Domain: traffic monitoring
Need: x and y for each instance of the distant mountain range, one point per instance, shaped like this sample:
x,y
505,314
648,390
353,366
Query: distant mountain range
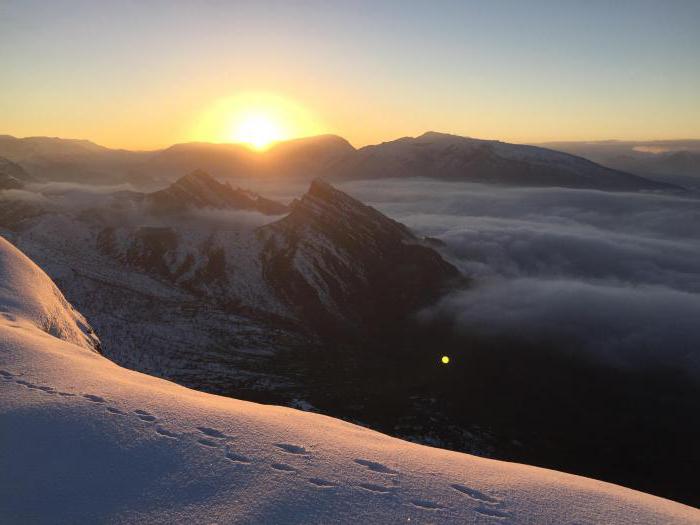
x,y
433,155
297,159
454,158
671,161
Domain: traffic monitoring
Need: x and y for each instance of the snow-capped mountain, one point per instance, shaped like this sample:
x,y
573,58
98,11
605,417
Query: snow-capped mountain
x,y
70,160
334,257
672,161
331,260
200,190
238,289
86,441
434,155
451,157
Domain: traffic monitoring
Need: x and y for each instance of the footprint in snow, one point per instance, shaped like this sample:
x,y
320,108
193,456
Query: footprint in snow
x,y
166,433
371,487
375,467
292,449
492,513
321,483
145,416
236,458
115,411
475,494
94,399
283,467
208,443
212,432
425,504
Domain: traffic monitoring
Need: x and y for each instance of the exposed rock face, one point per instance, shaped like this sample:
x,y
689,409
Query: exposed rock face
x,y
335,258
200,190
14,170
451,157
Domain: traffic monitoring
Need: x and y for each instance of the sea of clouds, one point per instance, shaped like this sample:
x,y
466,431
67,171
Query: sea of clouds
x,y
616,275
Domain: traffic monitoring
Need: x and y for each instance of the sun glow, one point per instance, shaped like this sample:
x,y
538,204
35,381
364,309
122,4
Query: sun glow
x,y
257,131
257,120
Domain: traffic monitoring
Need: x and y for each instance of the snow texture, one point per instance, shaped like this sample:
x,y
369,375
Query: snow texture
x,y
85,441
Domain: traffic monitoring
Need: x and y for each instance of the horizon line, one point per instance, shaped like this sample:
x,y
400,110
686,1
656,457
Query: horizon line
x,y
292,139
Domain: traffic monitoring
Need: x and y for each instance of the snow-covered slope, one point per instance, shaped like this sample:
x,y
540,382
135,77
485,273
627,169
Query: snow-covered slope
x,y
85,441
28,298
454,158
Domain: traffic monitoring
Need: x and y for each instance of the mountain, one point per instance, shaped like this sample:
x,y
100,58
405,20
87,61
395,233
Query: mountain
x,y
71,160
433,155
332,263
455,158
672,161
87,441
294,159
200,190
334,256
226,303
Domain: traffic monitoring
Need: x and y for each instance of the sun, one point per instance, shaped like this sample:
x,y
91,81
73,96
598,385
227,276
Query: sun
x,y
257,131
256,119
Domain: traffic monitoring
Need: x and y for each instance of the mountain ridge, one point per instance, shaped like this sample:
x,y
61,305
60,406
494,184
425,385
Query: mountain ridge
x,y
432,154
454,158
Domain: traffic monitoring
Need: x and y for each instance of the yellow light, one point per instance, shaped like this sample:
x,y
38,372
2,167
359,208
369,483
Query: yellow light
x,y
257,119
258,131
445,359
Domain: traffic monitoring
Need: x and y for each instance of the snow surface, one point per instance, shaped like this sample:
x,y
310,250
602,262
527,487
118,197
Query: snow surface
x,y
85,441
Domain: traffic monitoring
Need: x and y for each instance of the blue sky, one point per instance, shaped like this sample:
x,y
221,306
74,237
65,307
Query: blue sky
x,y
138,73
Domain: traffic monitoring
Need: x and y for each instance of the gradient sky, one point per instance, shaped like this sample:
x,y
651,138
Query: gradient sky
x,y
141,74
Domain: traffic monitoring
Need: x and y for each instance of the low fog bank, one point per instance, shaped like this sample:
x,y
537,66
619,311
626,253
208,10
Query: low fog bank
x,y
614,275
121,205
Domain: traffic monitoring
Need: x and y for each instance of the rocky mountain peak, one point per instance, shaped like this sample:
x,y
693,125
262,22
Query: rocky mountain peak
x,y
338,262
198,189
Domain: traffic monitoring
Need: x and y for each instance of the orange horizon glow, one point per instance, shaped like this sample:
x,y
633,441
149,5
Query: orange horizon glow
x,y
255,119
260,119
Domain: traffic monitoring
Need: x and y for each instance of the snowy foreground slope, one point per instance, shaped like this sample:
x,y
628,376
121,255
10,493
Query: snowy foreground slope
x,y
85,441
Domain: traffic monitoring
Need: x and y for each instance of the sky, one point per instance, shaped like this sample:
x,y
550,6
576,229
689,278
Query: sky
x,y
146,74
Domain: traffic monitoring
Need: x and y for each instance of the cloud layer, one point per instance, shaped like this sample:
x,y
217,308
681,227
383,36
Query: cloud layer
x,y
615,275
